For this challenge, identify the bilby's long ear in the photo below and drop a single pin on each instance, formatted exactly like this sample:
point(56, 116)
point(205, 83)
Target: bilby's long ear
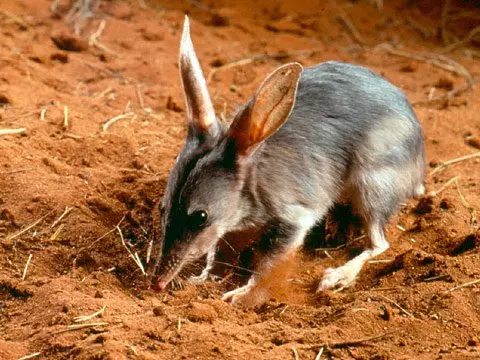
point(200, 112)
point(267, 111)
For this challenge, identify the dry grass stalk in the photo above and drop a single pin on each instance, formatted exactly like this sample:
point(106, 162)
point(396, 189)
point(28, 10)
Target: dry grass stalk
point(149, 251)
point(465, 203)
point(42, 114)
point(30, 356)
point(179, 325)
point(470, 36)
point(80, 326)
point(440, 61)
point(250, 59)
point(135, 259)
point(398, 306)
point(319, 355)
point(140, 264)
point(444, 186)
point(104, 92)
point(345, 21)
point(65, 213)
point(91, 316)
point(295, 353)
point(113, 120)
point(26, 267)
point(65, 117)
point(339, 247)
point(12, 131)
point(35, 223)
point(462, 198)
point(104, 235)
point(57, 232)
point(444, 164)
point(138, 92)
point(464, 285)
point(94, 39)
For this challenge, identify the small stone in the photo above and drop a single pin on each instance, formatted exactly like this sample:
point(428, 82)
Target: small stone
point(158, 311)
point(200, 312)
point(69, 42)
point(386, 313)
point(425, 206)
point(4, 100)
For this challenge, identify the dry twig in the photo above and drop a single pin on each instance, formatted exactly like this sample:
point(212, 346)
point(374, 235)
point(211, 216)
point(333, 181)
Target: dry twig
point(104, 235)
point(345, 21)
point(94, 39)
point(250, 59)
point(320, 352)
point(65, 117)
point(444, 186)
point(35, 223)
point(65, 213)
point(443, 165)
point(472, 33)
point(464, 285)
point(136, 259)
point(113, 120)
point(440, 61)
point(30, 356)
point(12, 131)
point(91, 316)
point(26, 267)
point(295, 353)
point(80, 326)
point(42, 114)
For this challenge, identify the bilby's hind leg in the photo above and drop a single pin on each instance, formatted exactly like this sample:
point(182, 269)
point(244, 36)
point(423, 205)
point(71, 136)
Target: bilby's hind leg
point(376, 196)
point(346, 274)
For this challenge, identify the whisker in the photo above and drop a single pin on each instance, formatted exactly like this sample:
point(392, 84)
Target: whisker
point(231, 247)
point(235, 267)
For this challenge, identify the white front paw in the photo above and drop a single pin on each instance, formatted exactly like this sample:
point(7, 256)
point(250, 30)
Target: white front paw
point(238, 295)
point(342, 277)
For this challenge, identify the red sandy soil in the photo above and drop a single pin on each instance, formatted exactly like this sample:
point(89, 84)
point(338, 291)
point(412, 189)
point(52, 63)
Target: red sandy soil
point(78, 264)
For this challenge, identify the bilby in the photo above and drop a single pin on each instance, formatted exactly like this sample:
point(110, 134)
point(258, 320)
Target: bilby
point(308, 138)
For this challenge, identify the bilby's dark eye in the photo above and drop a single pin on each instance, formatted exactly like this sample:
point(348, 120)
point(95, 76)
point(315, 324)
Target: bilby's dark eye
point(197, 219)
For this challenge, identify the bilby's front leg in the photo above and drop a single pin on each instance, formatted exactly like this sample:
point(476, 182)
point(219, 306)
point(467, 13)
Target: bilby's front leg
point(205, 275)
point(278, 241)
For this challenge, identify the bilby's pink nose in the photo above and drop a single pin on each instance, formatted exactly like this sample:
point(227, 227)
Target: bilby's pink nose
point(161, 285)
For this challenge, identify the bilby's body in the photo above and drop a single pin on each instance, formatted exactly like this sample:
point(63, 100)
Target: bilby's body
point(307, 139)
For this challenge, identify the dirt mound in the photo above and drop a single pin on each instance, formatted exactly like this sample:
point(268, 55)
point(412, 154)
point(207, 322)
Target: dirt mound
point(92, 122)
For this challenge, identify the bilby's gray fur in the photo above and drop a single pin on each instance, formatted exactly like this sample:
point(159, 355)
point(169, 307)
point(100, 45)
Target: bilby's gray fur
point(351, 136)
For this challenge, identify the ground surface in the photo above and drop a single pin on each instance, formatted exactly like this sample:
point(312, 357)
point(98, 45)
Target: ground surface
point(97, 179)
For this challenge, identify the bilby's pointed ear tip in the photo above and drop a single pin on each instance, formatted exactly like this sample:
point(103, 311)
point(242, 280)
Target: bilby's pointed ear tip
point(295, 66)
point(186, 30)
